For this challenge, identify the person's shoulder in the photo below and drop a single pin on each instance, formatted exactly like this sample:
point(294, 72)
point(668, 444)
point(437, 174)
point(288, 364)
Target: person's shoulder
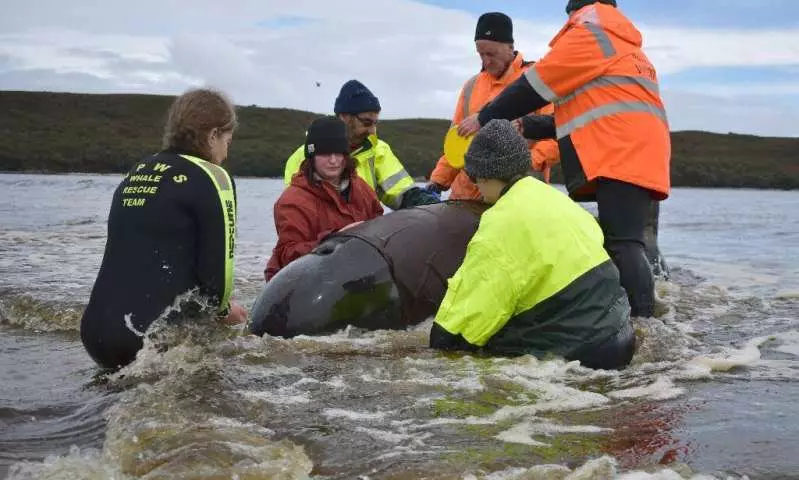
point(297, 193)
point(298, 151)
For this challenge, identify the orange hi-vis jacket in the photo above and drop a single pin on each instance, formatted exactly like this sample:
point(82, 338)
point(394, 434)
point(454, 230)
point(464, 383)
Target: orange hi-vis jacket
point(476, 92)
point(609, 119)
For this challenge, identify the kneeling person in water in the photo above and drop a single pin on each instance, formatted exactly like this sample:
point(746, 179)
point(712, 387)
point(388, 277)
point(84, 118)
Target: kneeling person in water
point(171, 229)
point(536, 278)
point(325, 196)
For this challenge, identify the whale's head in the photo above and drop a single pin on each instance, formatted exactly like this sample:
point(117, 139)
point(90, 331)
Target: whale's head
point(343, 281)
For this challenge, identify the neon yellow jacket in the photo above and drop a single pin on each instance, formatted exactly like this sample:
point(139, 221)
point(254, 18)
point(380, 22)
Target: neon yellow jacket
point(536, 278)
point(375, 163)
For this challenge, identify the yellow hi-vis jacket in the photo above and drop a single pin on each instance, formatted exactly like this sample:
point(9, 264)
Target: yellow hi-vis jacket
point(535, 280)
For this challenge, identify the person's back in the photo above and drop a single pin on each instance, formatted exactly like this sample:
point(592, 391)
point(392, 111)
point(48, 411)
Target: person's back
point(535, 280)
point(561, 273)
point(559, 276)
point(153, 252)
point(171, 231)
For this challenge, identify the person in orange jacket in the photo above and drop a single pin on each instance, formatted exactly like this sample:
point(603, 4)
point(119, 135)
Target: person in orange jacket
point(611, 128)
point(501, 65)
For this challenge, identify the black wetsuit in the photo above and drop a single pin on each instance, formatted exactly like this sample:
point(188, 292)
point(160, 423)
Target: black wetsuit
point(171, 228)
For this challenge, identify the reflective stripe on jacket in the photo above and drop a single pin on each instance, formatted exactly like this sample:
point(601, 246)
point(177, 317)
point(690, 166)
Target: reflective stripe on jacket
point(375, 163)
point(476, 92)
point(609, 116)
point(534, 280)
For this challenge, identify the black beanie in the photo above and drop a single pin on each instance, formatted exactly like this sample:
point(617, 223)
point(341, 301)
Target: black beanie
point(494, 26)
point(326, 135)
point(355, 98)
point(574, 5)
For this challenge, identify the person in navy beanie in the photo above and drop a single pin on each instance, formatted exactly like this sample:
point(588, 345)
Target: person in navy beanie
point(355, 98)
point(373, 159)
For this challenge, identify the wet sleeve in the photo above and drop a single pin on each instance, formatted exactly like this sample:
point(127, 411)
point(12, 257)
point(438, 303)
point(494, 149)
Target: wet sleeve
point(296, 232)
point(443, 340)
point(209, 215)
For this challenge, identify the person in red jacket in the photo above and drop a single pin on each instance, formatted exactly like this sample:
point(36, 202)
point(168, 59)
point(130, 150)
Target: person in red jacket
point(325, 196)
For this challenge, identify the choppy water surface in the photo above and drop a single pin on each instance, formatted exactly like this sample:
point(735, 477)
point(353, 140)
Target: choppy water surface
point(711, 393)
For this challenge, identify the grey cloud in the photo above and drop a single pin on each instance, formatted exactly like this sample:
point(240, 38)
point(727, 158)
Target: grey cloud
point(53, 81)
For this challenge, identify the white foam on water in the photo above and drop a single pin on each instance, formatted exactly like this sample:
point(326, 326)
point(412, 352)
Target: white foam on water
point(87, 464)
point(603, 468)
point(525, 431)
point(226, 422)
point(729, 358)
point(390, 437)
point(662, 388)
point(352, 415)
point(275, 398)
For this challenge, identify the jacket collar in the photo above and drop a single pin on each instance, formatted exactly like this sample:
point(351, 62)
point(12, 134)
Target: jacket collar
point(369, 143)
point(516, 65)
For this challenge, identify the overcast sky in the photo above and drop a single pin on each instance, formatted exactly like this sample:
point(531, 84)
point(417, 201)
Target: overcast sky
point(724, 65)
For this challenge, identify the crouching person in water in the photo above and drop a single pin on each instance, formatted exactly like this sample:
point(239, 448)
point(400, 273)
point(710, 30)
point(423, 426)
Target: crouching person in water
point(171, 229)
point(325, 196)
point(536, 278)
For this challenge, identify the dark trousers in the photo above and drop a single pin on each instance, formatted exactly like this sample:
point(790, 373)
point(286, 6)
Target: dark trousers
point(623, 212)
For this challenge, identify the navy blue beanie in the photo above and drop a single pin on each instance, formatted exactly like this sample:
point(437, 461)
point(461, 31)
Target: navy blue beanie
point(355, 98)
point(574, 5)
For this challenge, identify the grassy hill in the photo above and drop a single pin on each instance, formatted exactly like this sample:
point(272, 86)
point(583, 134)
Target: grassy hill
point(61, 132)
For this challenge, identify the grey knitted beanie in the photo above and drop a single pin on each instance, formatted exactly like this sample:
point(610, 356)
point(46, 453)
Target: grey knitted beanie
point(497, 151)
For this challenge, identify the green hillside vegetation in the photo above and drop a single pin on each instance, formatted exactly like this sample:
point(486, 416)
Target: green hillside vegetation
point(60, 132)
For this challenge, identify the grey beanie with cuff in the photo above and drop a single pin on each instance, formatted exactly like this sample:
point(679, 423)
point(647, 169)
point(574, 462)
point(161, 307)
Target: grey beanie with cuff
point(498, 151)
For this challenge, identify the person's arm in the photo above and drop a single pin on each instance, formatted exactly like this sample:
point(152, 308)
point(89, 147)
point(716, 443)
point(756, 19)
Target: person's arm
point(443, 175)
point(574, 60)
point(296, 231)
point(480, 298)
point(392, 178)
point(538, 127)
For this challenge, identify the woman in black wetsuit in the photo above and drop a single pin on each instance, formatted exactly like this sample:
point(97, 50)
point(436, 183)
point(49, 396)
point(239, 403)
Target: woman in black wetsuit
point(171, 230)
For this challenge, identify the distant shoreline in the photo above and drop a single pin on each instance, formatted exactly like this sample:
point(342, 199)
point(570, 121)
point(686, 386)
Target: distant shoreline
point(54, 133)
point(251, 177)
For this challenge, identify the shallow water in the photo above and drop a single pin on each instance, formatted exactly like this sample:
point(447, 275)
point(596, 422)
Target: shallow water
point(710, 395)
